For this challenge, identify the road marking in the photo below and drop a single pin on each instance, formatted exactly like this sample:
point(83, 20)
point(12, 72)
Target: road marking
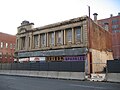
point(86, 86)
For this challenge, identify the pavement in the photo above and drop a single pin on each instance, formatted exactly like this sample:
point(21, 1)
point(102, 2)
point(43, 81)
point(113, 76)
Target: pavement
point(33, 83)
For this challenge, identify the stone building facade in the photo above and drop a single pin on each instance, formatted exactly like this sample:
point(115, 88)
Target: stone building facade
point(78, 39)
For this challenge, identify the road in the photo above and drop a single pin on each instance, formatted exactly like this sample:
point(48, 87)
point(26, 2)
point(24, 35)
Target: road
point(32, 83)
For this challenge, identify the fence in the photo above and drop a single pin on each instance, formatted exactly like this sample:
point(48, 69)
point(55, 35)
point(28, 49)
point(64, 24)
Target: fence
point(113, 66)
point(46, 66)
point(113, 69)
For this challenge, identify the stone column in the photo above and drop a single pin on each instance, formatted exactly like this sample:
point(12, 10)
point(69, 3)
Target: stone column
point(31, 41)
point(27, 42)
point(54, 39)
point(39, 41)
point(47, 39)
point(73, 36)
point(20, 43)
point(64, 37)
point(81, 33)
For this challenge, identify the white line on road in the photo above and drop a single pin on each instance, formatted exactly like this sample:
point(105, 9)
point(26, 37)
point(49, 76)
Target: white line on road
point(86, 86)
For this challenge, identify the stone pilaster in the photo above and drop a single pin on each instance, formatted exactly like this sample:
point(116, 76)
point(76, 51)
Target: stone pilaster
point(64, 37)
point(39, 41)
point(73, 36)
point(47, 39)
point(54, 39)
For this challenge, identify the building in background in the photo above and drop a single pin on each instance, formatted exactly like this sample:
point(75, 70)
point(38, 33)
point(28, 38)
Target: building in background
point(7, 47)
point(114, 27)
point(78, 39)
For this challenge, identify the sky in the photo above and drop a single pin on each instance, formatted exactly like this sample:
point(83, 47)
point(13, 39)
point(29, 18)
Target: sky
point(44, 12)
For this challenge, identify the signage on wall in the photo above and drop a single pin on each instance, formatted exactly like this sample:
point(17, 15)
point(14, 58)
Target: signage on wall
point(37, 58)
point(24, 60)
point(75, 58)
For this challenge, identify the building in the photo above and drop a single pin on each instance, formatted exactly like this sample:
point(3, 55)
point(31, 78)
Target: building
point(7, 47)
point(114, 27)
point(78, 39)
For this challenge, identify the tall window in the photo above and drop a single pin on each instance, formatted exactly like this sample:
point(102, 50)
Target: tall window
point(69, 35)
point(6, 55)
point(43, 40)
point(1, 45)
point(10, 45)
point(14, 46)
point(51, 40)
point(35, 41)
point(17, 45)
point(77, 34)
point(29, 41)
point(59, 37)
point(6, 45)
point(22, 43)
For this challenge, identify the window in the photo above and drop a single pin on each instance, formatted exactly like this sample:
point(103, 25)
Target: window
point(116, 31)
point(29, 41)
point(14, 46)
point(17, 45)
point(10, 45)
point(114, 21)
point(35, 41)
point(22, 43)
point(6, 55)
point(115, 26)
point(43, 40)
point(77, 34)
point(2, 45)
point(59, 37)
point(51, 38)
point(69, 35)
point(11, 55)
point(6, 45)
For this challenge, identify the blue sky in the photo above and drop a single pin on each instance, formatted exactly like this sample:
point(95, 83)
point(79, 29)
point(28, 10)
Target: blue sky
point(43, 12)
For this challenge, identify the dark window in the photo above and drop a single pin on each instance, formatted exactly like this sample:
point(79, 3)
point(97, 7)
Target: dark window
point(22, 43)
point(69, 35)
point(51, 36)
point(43, 40)
point(35, 41)
point(78, 34)
point(114, 21)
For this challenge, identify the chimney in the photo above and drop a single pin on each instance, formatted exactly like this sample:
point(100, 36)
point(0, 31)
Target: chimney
point(119, 14)
point(111, 15)
point(95, 17)
point(106, 27)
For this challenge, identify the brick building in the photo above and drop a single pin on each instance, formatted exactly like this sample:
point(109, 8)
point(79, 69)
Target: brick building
point(114, 27)
point(78, 39)
point(7, 47)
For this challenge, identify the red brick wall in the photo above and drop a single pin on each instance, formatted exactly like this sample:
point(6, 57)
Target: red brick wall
point(100, 38)
point(115, 35)
point(10, 39)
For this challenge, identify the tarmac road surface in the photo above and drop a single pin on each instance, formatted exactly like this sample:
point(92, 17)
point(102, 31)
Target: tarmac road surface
point(32, 83)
